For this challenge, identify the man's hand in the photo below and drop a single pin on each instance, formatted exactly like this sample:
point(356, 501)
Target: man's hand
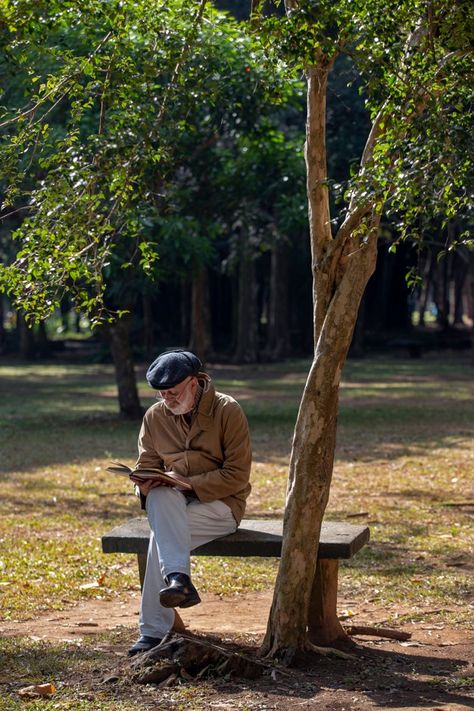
point(146, 485)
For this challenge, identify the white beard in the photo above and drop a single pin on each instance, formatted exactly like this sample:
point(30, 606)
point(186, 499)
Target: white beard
point(182, 408)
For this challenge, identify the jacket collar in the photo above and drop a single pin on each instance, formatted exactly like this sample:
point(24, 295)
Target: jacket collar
point(204, 412)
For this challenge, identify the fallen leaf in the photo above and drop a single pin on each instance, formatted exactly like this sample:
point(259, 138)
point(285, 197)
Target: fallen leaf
point(346, 613)
point(37, 690)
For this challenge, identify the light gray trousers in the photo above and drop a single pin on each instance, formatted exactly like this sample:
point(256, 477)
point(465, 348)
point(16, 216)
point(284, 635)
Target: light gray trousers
point(178, 525)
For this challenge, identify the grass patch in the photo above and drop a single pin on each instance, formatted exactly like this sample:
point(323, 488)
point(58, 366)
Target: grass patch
point(78, 671)
point(404, 456)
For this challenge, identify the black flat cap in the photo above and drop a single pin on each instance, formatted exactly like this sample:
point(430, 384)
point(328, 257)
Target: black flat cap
point(171, 368)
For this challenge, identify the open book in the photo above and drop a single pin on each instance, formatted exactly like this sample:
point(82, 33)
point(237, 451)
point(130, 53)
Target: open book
point(150, 473)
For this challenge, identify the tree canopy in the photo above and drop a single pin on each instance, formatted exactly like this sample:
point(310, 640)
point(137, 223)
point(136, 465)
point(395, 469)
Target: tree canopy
point(112, 105)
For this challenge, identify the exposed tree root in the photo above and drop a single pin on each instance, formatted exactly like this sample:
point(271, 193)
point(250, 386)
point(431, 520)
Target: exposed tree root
point(329, 651)
point(378, 632)
point(187, 657)
point(288, 655)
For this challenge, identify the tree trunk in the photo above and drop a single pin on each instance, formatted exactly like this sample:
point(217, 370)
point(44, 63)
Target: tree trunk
point(441, 298)
point(26, 337)
point(43, 345)
point(341, 269)
point(201, 339)
point(148, 325)
point(357, 348)
point(471, 295)
point(247, 319)
point(460, 272)
point(118, 336)
point(184, 326)
point(311, 464)
point(3, 335)
point(427, 285)
point(278, 341)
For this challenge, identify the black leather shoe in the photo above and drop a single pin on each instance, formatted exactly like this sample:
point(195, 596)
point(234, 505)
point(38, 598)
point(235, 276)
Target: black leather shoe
point(144, 644)
point(180, 591)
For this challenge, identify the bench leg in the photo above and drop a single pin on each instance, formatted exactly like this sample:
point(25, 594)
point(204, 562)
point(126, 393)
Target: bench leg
point(178, 625)
point(324, 628)
point(141, 558)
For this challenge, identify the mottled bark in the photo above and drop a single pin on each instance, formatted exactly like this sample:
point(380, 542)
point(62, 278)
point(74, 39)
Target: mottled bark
point(311, 461)
point(341, 269)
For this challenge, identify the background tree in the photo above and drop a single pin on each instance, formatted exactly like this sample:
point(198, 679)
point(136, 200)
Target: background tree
point(129, 101)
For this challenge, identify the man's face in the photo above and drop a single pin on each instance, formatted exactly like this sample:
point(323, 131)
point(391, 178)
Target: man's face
point(180, 399)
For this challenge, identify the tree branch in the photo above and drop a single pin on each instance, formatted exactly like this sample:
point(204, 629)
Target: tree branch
point(316, 159)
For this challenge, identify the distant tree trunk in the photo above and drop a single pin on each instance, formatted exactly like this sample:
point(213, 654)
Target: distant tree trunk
point(184, 312)
point(441, 292)
point(26, 337)
point(278, 335)
point(427, 285)
point(247, 313)
point(43, 345)
point(148, 325)
point(65, 310)
point(357, 344)
point(470, 257)
point(460, 272)
point(201, 329)
point(3, 336)
point(118, 336)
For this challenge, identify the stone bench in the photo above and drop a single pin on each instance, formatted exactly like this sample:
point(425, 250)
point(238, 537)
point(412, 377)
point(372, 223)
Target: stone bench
point(262, 538)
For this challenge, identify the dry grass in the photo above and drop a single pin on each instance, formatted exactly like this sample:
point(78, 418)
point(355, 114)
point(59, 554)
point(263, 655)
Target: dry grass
point(404, 465)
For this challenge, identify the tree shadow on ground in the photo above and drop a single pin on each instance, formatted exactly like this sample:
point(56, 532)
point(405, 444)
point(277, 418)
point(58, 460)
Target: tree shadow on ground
point(392, 678)
point(103, 437)
point(381, 676)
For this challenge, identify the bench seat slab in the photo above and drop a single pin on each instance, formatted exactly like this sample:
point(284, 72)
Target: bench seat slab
point(254, 537)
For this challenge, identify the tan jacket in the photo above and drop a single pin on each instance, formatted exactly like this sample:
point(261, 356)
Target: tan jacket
point(214, 452)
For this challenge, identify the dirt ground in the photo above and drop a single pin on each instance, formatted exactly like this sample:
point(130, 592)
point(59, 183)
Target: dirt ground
point(433, 670)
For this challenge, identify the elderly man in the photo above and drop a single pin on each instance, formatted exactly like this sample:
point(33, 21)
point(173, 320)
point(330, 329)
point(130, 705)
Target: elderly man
point(203, 435)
